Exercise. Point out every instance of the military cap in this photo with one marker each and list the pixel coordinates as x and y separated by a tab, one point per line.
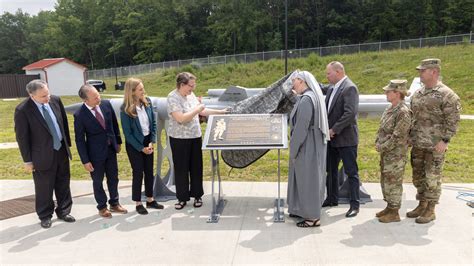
429	63
399	85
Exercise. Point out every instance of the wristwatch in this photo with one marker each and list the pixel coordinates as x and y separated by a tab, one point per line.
445	140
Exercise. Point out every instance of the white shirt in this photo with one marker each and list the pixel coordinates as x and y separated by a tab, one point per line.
334	91
93	112
144	121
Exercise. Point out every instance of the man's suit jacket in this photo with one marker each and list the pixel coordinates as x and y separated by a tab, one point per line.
342	115
92	139
32	133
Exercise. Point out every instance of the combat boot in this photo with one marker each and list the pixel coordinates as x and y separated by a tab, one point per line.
390	216
418	210
382	212
428	215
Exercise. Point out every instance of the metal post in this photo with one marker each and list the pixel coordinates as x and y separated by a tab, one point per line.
420	42
219	203
286	37
278	214
115	60
225	59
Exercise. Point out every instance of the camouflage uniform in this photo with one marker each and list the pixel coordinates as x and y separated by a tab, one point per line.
392	140
436	114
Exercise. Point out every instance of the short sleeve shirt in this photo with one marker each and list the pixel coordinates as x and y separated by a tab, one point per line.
176	102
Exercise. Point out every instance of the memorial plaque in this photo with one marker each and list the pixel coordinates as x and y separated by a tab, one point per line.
246	131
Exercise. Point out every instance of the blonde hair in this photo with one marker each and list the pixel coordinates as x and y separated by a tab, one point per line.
130	101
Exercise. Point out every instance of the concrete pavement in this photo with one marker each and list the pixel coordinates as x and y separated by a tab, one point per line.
245	233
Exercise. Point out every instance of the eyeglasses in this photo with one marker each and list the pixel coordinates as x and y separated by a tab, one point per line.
191	85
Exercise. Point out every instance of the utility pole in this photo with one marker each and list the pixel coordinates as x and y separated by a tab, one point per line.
115	61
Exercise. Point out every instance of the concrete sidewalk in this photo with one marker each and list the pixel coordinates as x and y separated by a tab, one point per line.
245	233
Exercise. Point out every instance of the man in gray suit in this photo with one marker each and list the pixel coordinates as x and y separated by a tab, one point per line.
342	101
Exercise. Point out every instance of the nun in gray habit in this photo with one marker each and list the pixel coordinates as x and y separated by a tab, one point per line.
308	140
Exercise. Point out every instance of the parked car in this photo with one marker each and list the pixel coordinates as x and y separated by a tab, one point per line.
98	84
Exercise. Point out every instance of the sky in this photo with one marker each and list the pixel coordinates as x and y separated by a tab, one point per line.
31	7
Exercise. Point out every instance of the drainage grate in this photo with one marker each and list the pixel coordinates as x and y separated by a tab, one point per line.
16	207
25	205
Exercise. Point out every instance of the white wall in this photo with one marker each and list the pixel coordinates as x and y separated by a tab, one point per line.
65	78
35	72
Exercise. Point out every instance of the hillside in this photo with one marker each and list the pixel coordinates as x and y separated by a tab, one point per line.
370	71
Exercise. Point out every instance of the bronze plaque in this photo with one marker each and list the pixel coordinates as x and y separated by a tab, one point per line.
246	130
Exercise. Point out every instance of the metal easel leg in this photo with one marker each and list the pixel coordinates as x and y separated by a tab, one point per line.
219	203
278	213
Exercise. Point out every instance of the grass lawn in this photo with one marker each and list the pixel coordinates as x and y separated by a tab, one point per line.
458	168
371	71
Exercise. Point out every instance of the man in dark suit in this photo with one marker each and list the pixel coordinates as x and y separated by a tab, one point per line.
42	134
342	101
98	142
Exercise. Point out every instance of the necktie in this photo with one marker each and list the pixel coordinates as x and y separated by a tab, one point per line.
99	117
52	130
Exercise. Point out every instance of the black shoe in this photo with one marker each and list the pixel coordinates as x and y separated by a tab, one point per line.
154	205
46	223
352	212
294	215
67	218
328	203
141	210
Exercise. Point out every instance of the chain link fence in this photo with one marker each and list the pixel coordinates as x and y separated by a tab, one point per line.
294	53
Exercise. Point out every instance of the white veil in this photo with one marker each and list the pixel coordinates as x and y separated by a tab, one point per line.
321	105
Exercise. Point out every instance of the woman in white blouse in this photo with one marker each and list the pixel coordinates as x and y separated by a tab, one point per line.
139	128
184	132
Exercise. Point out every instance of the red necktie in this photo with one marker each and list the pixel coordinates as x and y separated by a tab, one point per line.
99	117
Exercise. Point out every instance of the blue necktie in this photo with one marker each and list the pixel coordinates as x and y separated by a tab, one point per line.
52	130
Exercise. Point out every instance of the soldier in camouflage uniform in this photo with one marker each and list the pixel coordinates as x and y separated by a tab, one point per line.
392	144
436	114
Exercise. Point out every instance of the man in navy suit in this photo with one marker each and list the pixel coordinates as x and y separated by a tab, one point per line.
98	142
342	101
42	134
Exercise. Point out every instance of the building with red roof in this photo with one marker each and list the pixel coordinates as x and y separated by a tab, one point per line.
64	76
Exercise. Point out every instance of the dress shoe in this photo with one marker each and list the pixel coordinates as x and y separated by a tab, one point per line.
294	215
67	218
154	205
352	212
328	203
105	213
141	210
46	223
118	208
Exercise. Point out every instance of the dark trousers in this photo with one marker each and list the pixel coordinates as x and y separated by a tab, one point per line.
348	155
187	159
57	179
142	165
110	169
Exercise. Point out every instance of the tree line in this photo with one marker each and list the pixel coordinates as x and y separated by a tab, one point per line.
143	31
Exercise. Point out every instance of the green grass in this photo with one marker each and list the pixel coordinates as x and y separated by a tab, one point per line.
371	71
